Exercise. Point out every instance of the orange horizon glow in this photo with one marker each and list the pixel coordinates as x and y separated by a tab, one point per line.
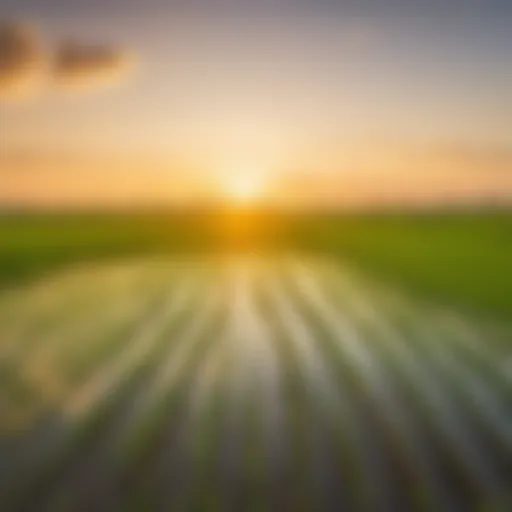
286	110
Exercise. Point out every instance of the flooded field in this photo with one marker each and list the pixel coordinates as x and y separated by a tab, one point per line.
247	383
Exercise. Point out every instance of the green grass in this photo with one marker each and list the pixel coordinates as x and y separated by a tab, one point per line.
374	407
456	258
30	244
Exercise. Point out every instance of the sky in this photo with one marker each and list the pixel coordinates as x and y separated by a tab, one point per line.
324	102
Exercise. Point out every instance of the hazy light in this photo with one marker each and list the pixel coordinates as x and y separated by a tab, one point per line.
244	187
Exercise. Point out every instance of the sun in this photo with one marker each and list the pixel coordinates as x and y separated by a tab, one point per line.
244	188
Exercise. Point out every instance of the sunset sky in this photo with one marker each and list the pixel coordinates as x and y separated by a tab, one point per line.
309	102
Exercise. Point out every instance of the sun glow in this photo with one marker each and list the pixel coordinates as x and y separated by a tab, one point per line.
244	188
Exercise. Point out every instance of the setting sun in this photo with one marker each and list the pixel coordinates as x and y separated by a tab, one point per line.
244	188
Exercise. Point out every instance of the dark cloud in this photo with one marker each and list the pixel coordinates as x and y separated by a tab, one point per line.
23	61
79	66
29	66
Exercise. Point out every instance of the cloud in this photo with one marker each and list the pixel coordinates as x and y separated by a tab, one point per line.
30	66
23	61
79	66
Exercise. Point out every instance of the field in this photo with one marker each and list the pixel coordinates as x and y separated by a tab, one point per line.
328	371
461	259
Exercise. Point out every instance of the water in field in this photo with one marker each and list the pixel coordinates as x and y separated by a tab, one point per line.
248	383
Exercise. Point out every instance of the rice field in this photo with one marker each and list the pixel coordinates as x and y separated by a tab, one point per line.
246	382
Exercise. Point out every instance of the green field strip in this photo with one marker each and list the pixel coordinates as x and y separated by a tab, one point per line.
241	477
461	480
459	332
239	376
42	374
346	348
467	333
474	348
483	402
295	490
486	408
68	390
35	335
165	432
362	309
237	485
36	316
175	473
138	346
360	449
218	468
271	451
473	344
95	348
90	404
40	361
34	356
463	359
84	358
433	402
142	448
484	429
335	468
86	389
307	405
137	473
255	492
73	352
474	339
25	304
206	441
245	482
98	464
173	375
